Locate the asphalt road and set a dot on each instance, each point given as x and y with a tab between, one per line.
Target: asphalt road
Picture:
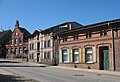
53	74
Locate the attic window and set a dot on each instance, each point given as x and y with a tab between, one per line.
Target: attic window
16	34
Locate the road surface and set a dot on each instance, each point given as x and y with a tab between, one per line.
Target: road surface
53	74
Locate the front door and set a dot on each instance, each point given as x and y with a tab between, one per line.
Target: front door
106	59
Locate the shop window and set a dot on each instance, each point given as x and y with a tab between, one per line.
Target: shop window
75	55
64	55
89	55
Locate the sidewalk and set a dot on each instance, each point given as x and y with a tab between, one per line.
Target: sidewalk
115	73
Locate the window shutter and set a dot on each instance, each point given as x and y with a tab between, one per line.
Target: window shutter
94	53
71	56
60	56
83	53
80	55
68	51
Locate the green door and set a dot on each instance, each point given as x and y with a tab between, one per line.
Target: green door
106	59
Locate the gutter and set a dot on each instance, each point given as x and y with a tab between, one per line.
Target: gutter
113	47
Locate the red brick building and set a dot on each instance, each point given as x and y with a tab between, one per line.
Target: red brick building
95	46
18	42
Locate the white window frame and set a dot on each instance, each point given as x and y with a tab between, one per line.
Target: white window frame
89	55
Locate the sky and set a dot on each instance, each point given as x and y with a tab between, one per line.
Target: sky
43	14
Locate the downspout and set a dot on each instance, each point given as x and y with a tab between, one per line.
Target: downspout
113	47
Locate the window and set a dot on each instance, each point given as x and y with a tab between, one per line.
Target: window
16	40
48	43
32	56
75	37
49	55
12	41
45	56
38	46
20	39
16	34
103	32
45	44
75	55
15	50
12	50
89	55
38	37
32	46
64	55
20	50
88	35
64	39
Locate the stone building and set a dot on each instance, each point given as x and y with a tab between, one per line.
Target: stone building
94	46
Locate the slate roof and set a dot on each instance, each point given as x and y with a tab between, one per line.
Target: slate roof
23	30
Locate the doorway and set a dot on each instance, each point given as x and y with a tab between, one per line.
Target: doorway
38	55
104	58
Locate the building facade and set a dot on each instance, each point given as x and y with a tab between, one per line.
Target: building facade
93	46
43	44
49	40
34	46
4	39
18	42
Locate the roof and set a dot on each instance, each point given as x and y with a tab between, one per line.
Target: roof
23	30
51	29
35	32
112	23
4	36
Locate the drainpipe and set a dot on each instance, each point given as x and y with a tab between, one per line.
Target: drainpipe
113	47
